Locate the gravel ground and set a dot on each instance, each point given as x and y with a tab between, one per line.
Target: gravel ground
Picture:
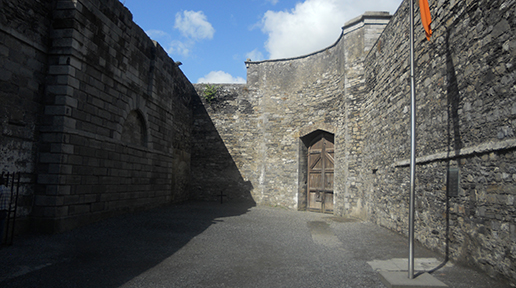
212	245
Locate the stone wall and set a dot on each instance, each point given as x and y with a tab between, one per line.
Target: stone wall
358	89
466	97
265	126
24	33
101	121
359	36
295	98
222	144
114	130
260	125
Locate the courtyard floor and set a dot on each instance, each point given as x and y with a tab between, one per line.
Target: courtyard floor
220	245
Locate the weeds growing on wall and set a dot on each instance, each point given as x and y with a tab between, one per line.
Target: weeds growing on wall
209	92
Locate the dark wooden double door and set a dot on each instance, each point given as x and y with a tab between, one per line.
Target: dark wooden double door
320	174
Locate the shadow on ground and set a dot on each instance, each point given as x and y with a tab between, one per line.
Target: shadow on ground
109	253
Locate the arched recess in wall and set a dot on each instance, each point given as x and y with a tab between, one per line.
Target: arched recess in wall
315	160
134	129
134	123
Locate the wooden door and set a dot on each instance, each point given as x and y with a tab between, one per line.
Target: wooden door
320	174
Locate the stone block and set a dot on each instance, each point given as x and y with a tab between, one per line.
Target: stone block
61	70
55	212
97	207
58	190
59	169
58	110
84	189
5	75
50	158
60	90
79	209
67	80
66	101
60	148
43	200
88	198
64	122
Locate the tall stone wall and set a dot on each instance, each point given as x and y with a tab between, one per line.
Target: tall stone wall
260	124
359	36
466	97
265	126
358	89
114	124
222	143
24	34
296	97
100	121
107	79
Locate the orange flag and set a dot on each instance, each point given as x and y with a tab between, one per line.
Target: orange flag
426	19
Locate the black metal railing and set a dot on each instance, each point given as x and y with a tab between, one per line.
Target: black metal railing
10	186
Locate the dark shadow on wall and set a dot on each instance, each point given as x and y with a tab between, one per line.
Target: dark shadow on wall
121	250
302	176
454	144
454	140
214	174
113	252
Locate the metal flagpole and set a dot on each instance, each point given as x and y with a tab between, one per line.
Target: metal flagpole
412	145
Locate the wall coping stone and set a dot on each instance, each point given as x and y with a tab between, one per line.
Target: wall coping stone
371	18
368	18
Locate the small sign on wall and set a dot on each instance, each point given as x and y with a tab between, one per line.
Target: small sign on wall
453	182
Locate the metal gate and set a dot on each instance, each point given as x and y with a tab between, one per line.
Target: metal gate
9	187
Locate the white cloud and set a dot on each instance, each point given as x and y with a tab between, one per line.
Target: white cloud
273	2
174	46
194	25
220	77
178	47
255	55
313	24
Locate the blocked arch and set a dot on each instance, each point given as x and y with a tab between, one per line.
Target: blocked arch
136	107
307	136
134	129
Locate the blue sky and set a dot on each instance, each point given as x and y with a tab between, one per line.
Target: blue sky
213	38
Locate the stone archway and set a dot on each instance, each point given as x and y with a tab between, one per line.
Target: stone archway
308	137
321	166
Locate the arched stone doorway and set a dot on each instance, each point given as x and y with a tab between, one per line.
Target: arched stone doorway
316	172
320	174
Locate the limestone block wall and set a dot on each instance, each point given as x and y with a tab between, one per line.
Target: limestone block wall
96	113
295	98
359	36
115	134
260	131
224	143
258	128
466	115
24	32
